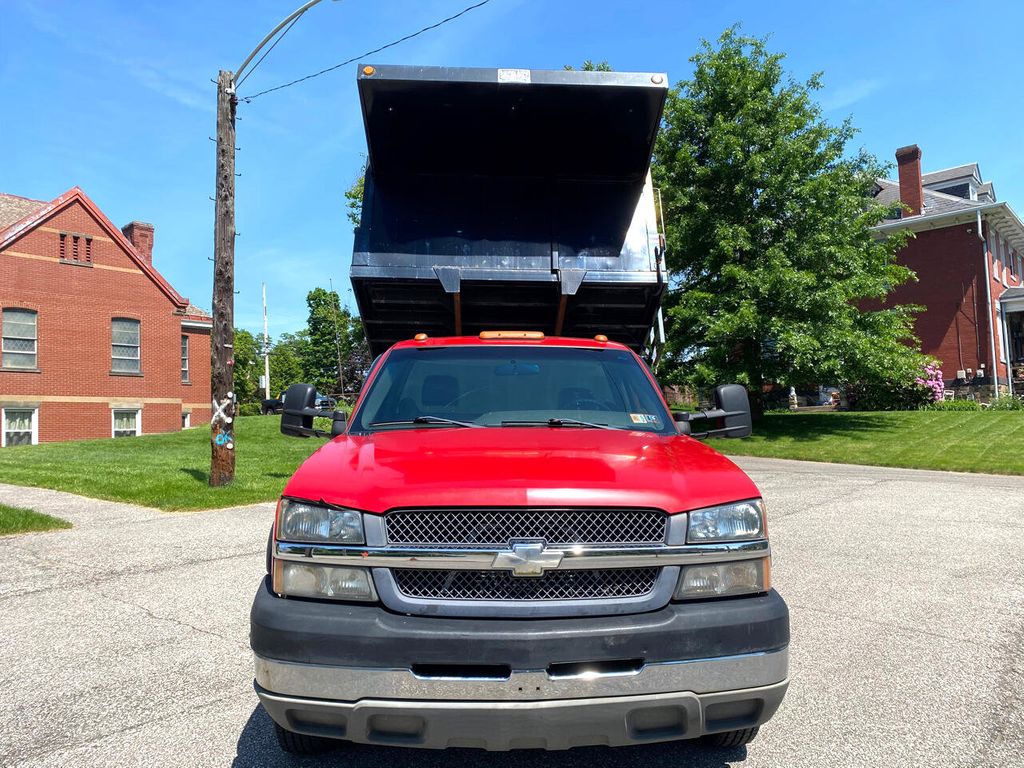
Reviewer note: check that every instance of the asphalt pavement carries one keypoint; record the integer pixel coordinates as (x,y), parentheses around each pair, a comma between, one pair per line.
(124,641)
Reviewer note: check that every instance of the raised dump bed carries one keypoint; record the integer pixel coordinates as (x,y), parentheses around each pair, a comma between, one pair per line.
(509,199)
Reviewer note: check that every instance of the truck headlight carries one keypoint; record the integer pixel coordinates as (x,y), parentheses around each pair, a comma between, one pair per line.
(322,581)
(305,522)
(729,522)
(738,578)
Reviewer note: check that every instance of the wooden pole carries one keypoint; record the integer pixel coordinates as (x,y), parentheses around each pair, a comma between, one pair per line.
(222,384)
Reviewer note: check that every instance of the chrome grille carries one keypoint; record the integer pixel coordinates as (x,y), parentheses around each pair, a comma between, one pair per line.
(468,528)
(585,584)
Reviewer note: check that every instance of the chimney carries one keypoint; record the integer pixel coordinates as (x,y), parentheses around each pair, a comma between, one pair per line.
(911,191)
(140,234)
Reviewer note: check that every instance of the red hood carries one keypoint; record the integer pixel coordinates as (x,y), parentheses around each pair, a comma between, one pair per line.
(517,467)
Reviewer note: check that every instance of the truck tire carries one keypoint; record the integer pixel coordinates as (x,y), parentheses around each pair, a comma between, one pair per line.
(731,738)
(301,744)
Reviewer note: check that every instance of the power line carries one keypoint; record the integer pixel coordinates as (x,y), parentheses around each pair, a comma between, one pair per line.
(267,52)
(368,53)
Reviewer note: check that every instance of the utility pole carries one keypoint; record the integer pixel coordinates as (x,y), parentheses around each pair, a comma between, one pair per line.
(337,340)
(266,348)
(222,339)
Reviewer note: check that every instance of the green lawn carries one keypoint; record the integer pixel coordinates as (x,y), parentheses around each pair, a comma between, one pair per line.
(18,520)
(165,471)
(963,442)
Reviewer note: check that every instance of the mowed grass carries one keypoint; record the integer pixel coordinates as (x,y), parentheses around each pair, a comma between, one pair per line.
(18,520)
(991,442)
(168,471)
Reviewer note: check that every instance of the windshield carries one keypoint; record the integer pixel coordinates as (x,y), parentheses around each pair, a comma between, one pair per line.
(512,386)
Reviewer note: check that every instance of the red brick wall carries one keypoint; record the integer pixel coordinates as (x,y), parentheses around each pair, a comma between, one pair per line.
(950,267)
(74,384)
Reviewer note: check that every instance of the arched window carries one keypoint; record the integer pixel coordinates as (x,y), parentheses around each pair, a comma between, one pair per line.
(19,339)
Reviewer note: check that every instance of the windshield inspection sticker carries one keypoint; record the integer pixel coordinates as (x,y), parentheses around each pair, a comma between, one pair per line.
(643,418)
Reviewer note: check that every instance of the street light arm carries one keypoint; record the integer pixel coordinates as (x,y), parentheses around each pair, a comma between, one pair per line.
(294,15)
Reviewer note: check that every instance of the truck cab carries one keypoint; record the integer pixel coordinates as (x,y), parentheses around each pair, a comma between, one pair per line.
(514,545)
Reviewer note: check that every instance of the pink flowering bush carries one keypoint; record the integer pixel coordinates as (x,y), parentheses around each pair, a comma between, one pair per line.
(931,381)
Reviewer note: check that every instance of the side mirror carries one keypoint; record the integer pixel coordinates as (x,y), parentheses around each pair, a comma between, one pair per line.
(733,399)
(338,422)
(297,414)
(683,422)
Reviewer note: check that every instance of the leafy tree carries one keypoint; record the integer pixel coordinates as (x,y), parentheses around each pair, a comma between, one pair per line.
(354,199)
(286,356)
(590,66)
(248,367)
(768,225)
(336,357)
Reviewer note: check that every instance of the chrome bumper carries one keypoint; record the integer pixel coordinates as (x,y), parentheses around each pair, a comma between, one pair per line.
(528,709)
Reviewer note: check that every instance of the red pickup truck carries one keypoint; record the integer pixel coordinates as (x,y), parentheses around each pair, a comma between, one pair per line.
(513,543)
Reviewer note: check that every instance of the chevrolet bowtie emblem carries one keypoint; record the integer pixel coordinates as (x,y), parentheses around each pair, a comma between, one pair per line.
(527,558)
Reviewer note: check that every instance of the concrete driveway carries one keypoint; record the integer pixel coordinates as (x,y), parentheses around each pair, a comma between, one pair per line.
(124,640)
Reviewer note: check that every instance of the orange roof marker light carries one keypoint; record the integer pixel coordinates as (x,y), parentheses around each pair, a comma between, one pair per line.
(420,337)
(368,70)
(511,335)
(601,337)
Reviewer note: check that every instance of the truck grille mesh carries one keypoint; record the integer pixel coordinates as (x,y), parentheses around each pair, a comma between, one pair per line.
(587,584)
(468,528)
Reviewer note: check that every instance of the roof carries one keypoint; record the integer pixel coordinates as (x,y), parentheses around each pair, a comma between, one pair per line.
(934,202)
(41,211)
(476,341)
(193,311)
(949,174)
(1012,293)
(14,208)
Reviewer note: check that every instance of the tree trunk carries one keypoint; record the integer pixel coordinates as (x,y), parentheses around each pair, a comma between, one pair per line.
(222,338)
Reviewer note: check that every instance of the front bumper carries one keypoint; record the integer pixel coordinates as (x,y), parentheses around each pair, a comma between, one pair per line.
(362,673)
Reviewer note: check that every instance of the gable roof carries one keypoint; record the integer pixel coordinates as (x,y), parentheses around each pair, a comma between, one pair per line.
(14,208)
(41,212)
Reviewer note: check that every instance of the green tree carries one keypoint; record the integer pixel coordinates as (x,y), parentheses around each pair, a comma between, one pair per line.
(768,223)
(286,356)
(590,66)
(248,367)
(354,199)
(336,357)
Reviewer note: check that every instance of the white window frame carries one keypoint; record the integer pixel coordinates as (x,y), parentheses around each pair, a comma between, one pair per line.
(34,339)
(138,348)
(3,422)
(186,419)
(186,352)
(113,419)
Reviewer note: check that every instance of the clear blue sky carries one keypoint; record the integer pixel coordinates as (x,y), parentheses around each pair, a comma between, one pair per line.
(115,96)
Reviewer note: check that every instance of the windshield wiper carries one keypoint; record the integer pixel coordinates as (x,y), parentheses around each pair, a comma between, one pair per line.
(425,420)
(557,422)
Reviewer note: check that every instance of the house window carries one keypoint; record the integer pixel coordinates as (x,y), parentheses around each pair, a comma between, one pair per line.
(63,246)
(20,427)
(88,250)
(184,357)
(127,423)
(125,341)
(186,419)
(19,339)
(80,251)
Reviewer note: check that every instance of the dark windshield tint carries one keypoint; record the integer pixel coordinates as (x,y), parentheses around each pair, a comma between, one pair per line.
(495,385)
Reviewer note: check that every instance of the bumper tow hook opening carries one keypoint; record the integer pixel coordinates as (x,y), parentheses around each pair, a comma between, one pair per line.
(462,671)
(593,669)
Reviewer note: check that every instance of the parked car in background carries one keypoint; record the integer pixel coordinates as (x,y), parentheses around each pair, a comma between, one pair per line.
(276,404)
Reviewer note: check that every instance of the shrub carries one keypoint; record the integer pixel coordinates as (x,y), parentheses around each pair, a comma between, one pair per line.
(1007,403)
(249,409)
(953,405)
(887,396)
(932,381)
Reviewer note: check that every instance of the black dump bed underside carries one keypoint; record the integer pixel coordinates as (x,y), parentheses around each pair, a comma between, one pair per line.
(508,199)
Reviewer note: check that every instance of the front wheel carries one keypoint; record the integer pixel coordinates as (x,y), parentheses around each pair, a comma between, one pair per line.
(731,738)
(301,744)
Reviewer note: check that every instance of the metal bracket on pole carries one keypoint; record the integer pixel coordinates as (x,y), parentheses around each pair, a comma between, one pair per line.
(451,281)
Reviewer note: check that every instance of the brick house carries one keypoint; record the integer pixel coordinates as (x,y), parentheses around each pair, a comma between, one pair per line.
(968,254)
(95,343)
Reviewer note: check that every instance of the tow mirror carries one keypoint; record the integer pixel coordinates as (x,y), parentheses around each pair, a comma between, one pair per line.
(338,422)
(298,411)
(733,399)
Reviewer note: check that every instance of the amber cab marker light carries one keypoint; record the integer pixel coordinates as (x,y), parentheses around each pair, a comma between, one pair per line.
(368,70)
(511,335)
(601,337)
(420,337)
